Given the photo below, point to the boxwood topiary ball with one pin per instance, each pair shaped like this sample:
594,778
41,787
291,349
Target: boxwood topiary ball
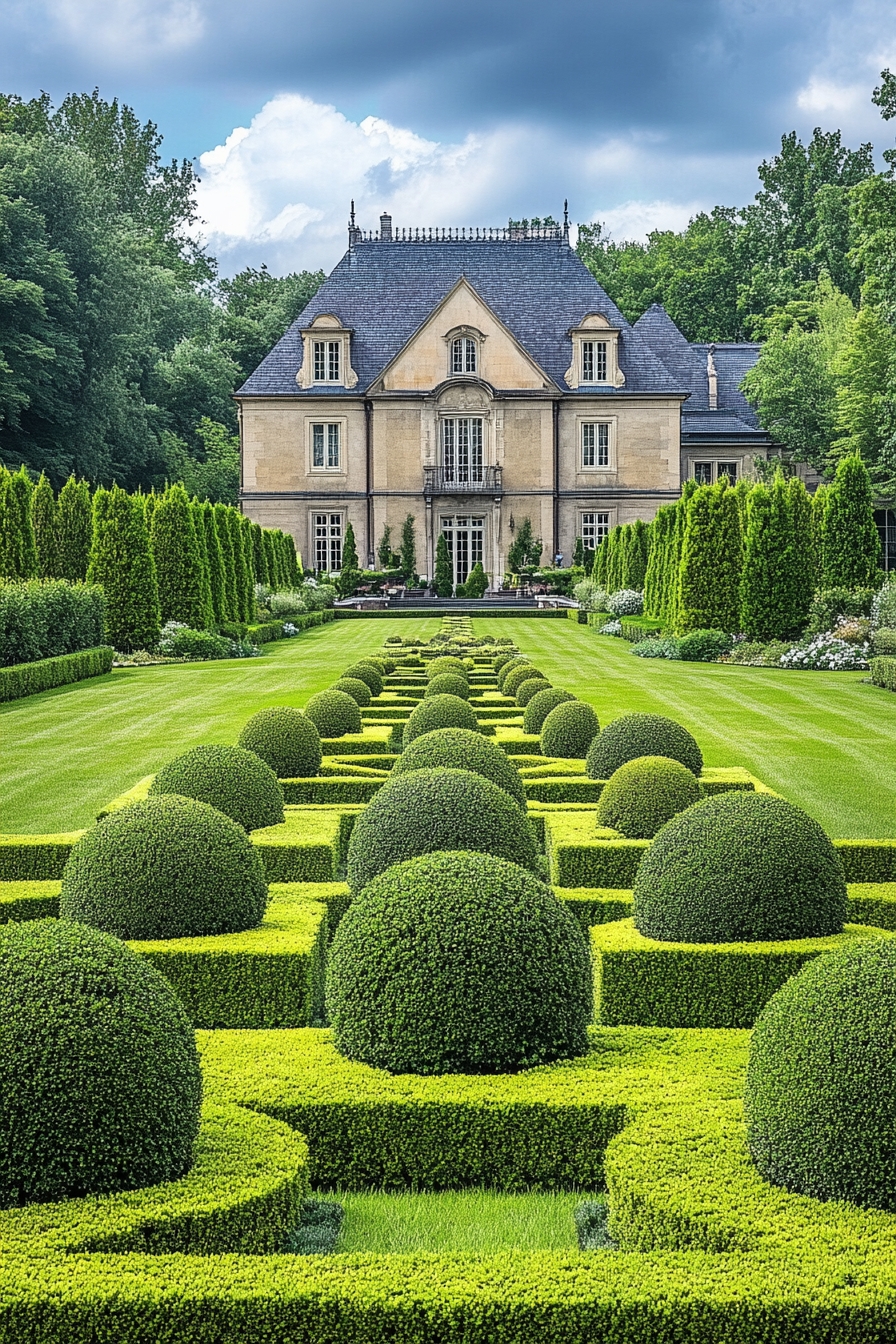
460,749
517,675
635,735
820,1098
334,713
740,867
642,795
458,963
440,667
439,711
530,688
369,674
235,781
286,739
425,810
509,667
168,867
540,706
447,683
569,730
501,661
100,1084
356,688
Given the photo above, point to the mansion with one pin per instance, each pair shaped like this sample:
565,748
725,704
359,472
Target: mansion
473,380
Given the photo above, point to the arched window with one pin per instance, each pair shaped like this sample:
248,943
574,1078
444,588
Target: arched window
464,355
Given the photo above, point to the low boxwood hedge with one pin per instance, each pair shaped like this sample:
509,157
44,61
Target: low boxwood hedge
334,714
30,678
307,847
235,781
286,739
29,900
35,858
634,735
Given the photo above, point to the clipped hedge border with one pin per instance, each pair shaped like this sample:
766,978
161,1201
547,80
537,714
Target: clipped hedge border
331,789
31,678
304,848
36,858
644,983
873,903
29,900
883,672
596,905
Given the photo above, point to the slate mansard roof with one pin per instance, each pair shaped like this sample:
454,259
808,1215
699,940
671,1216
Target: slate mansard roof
385,291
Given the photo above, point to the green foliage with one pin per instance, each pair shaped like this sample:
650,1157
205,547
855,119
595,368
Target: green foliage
462,749
633,735
177,560
569,729
74,524
508,667
333,713
18,555
444,575
711,557
429,809
258,308
513,680
369,673
437,667
740,867
408,551
525,550
477,582
820,1107
531,687
883,671
168,867
514,991
243,569
48,618
350,573
207,600
43,523
100,1084
540,706
286,740
645,793
449,683
830,605
772,585
386,558
235,781
702,646
31,678
122,561
357,689
230,604
850,541
439,711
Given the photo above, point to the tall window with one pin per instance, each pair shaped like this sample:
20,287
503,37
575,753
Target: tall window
707,472
464,536
326,361
462,450
595,527
596,444
325,447
463,355
594,361
328,541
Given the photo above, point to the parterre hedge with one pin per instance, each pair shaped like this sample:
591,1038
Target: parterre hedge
460,749
31,678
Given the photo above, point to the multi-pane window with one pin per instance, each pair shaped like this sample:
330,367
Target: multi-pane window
325,447
596,444
595,527
703,473
464,538
594,361
463,355
462,449
728,469
707,472
328,541
326,361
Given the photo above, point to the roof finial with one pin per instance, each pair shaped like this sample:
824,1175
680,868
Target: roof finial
566,219
354,233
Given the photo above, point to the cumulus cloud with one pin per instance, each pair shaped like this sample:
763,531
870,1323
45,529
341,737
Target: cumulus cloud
129,32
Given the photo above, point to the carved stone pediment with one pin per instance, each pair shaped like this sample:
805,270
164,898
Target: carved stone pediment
464,398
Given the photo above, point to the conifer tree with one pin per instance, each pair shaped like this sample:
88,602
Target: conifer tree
18,548
284,546
638,555
259,556
292,560
578,553
769,605
121,560
9,537
384,550
176,555
599,568
150,504
43,523
74,527
240,567
851,542
271,558
805,548
653,575
350,574
217,583
245,525
231,600
408,551
444,576
818,507
209,621
711,557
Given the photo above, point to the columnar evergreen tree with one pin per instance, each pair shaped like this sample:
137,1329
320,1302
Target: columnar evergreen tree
176,556
805,559
270,552
240,568
654,574
259,555
637,555
599,568
121,560
21,552
818,507
850,537
767,607
444,576
209,619
245,525
709,577
384,550
578,553
350,574
74,526
217,582
150,504
231,600
408,551
43,523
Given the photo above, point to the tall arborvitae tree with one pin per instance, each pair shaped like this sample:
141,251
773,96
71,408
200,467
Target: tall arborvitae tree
818,507
217,582
231,598
249,552
282,544
599,568
408,551
444,576
240,567
43,523
709,577
655,572
769,607
259,555
349,574
852,552
270,552
150,504
638,555
176,555
805,559
74,526
121,560
21,552
384,554
209,619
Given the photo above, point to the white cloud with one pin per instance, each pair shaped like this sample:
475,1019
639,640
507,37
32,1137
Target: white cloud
825,97
132,32
633,220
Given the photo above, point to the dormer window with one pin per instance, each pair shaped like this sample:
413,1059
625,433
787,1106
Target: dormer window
327,361
326,354
464,355
595,354
594,361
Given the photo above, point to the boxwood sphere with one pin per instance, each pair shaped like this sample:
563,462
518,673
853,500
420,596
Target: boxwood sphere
458,963
540,706
369,674
517,675
356,688
168,867
447,683
285,739
501,661
439,667
508,667
635,735
425,810
530,688
100,1084
235,781
740,867
460,749
334,713
642,795
439,711
820,1098
569,730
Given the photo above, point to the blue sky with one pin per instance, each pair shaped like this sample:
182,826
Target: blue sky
640,111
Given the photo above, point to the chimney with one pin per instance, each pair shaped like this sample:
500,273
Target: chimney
712,379
385,228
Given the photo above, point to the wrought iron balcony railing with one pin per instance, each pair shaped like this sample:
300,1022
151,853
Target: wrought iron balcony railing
462,480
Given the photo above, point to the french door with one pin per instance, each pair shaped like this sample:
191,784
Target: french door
462,450
464,535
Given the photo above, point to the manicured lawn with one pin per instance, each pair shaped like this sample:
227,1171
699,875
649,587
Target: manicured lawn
825,740
468,1222
66,752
